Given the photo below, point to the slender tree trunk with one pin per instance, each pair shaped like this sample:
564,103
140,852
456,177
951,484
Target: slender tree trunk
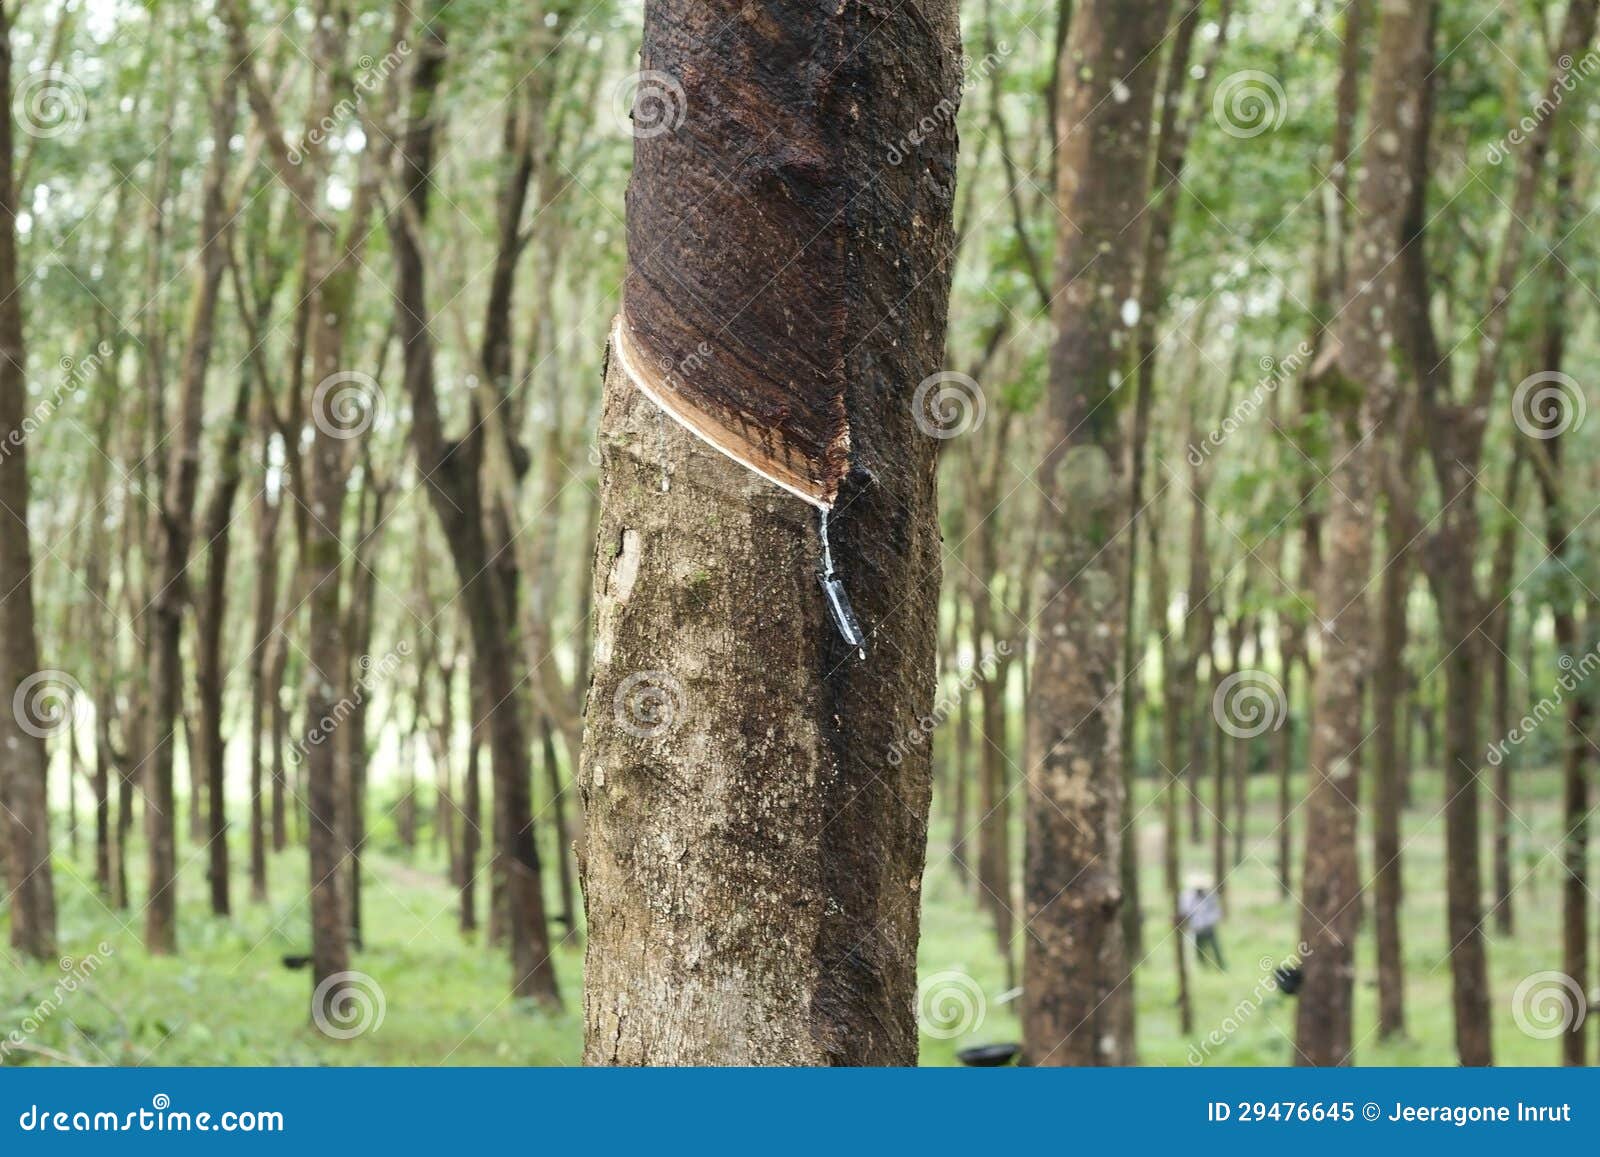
26,814
1388,678
1498,633
567,917
1288,642
994,797
328,657
277,670
472,823
1173,748
1222,752
1075,969
210,619
1546,454
1390,675
453,474
796,861
269,509
177,529
1171,152
1354,383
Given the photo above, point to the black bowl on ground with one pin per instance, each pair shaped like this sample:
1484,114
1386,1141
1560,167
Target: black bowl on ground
988,1056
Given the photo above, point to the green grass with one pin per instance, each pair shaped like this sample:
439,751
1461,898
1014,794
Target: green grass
227,999
1262,927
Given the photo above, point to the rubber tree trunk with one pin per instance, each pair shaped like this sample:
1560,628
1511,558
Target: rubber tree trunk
210,626
327,700
753,856
1354,385
26,815
453,474
1173,748
1075,971
173,539
1388,680
268,511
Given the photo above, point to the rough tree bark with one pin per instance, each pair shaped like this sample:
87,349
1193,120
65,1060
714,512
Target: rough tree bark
1354,377
23,765
753,858
1074,966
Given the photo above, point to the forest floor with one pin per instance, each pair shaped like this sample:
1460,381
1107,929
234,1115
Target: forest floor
229,999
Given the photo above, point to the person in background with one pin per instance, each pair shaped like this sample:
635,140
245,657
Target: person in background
1201,912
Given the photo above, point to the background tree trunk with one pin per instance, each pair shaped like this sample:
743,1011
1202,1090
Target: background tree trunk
1354,379
1075,972
26,814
